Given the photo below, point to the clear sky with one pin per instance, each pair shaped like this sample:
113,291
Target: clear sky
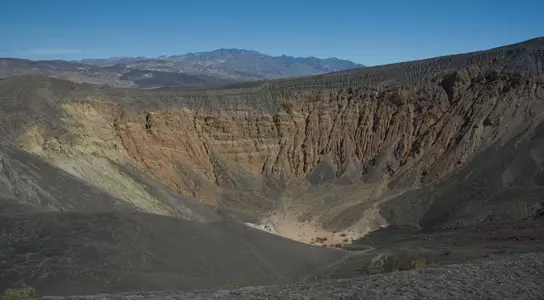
368,32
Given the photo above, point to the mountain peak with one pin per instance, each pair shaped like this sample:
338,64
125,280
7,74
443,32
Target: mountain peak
232,50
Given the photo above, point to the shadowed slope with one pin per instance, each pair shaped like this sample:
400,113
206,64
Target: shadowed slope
503,184
70,253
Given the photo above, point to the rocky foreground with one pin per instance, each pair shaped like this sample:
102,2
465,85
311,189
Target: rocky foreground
507,277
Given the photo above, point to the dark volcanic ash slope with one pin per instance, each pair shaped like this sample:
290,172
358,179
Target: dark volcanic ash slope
85,253
485,279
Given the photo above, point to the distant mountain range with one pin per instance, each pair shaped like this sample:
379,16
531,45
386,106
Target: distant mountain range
221,66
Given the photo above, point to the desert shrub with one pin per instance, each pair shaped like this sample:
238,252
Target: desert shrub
23,293
403,262
231,286
418,263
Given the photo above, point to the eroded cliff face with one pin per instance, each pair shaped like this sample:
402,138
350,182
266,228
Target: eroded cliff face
389,138
438,126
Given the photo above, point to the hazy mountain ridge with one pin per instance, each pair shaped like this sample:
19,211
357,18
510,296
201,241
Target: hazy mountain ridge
221,66
238,60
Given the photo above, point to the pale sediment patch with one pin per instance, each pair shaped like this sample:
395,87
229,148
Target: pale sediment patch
263,227
308,233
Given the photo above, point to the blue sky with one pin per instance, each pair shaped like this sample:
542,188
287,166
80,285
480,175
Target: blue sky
368,32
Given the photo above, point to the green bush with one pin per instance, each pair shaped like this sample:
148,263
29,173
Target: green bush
403,262
23,293
418,263
231,286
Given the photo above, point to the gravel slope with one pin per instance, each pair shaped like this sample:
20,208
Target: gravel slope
506,277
